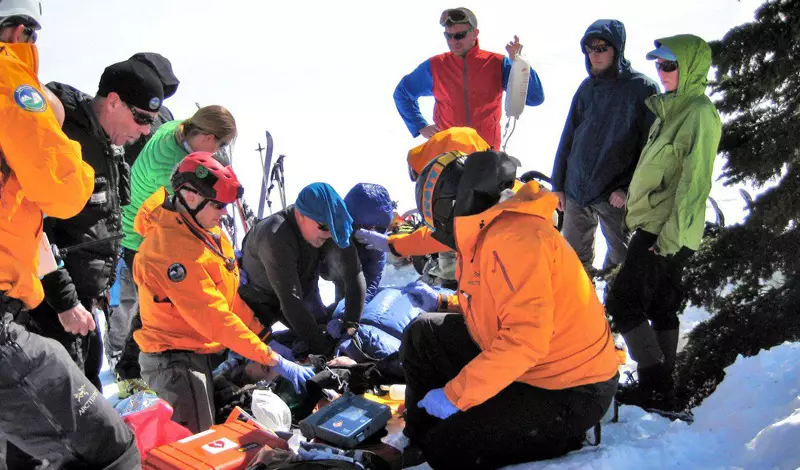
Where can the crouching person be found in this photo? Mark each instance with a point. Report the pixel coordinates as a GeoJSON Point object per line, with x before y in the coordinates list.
{"type": "Point", "coordinates": [520, 362]}
{"type": "Point", "coordinates": [188, 280]}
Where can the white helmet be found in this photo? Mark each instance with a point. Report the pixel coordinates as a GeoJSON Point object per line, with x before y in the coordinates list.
{"type": "Point", "coordinates": [28, 8]}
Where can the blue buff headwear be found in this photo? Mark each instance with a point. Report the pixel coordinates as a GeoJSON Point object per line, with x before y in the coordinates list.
{"type": "Point", "coordinates": [320, 202]}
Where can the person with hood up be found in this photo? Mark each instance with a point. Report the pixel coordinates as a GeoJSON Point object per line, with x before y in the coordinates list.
{"type": "Point", "coordinates": [666, 213]}
{"type": "Point", "coordinates": [520, 362]}
{"type": "Point", "coordinates": [603, 136]}
{"type": "Point", "coordinates": [282, 254]}
{"type": "Point", "coordinates": [50, 410]}
{"type": "Point", "coordinates": [188, 280]}
{"type": "Point", "coordinates": [466, 83]}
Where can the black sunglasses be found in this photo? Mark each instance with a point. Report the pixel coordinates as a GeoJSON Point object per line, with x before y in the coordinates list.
{"type": "Point", "coordinates": [667, 66]}
{"type": "Point", "coordinates": [143, 119]}
{"type": "Point", "coordinates": [596, 49]}
{"type": "Point", "coordinates": [457, 36]}
{"type": "Point", "coordinates": [323, 227]}
{"type": "Point", "coordinates": [219, 205]}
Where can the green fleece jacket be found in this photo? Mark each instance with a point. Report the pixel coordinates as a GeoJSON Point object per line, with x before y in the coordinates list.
{"type": "Point", "coordinates": [151, 171]}
{"type": "Point", "coordinates": [668, 192]}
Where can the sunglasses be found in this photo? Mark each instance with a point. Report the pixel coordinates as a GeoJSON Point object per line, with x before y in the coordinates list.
{"type": "Point", "coordinates": [457, 36]}
{"type": "Point", "coordinates": [143, 119]}
{"type": "Point", "coordinates": [596, 49]}
{"type": "Point", "coordinates": [219, 205]}
{"type": "Point", "coordinates": [667, 66]}
{"type": "Point", "coordinates": [323, 227]}
{"type": "Point", "coordinates": [31, 34]}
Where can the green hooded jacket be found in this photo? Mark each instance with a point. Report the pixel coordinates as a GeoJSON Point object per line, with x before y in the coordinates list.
{"type": "Point", "coordinates": [670, 186]}
{"type": "Point", "coordinates": [152, 170]}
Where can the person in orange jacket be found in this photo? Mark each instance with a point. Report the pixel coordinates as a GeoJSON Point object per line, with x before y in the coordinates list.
{"type": "Point", "coordinates": [520, 362]}
{"type": "Point", "coordinates": [188, 280]}
{"type": "Point", "coordinates": [49, 411]}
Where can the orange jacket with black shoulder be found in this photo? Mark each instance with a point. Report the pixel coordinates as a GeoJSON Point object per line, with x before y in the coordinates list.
{"type": "Point", "coordinates": [41, 172]}
{"type": "Point", "coordinates": [527, 302]}
{"type": "Point", "coordinates": [188, 288]}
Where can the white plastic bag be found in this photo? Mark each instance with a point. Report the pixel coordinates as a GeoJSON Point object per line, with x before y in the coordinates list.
{"type": "Point", "coordinates": [271, 411]}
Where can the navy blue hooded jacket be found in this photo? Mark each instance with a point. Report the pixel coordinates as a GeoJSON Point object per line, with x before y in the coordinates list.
{"type": "Point", "coordinates": [607, 125]}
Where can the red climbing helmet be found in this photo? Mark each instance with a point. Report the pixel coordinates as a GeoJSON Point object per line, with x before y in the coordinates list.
{"type": "Point", "coordinates": [209, 178]}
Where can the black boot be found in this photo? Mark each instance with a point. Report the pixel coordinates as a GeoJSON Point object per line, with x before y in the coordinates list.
{"type": "Point", "coordinates": [655, 389]}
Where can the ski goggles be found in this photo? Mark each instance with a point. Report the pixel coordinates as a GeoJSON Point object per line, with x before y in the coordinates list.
{"type": "Point", "coordinates": [458, 16]}
{"type": "Point", "coordinates": [457, 36]}
{"type": "Point", "coordinates": [143, 119]}
{"type": "Point", "coordinates": [667, 66]}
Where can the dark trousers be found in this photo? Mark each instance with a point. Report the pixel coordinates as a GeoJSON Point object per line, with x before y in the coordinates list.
{"type": "Point", "coordinates": [85, 351]}
{"type": "Point", "coordinates": [51, 411]}
{"type": "Point", "coordinates": [522, 423]}
{"type": "Point", "coordinates": [647, 287]}
{"type": "Point", "coordinates": [128, 365]}
{"type": "Point", "coordinates": [580, 225]}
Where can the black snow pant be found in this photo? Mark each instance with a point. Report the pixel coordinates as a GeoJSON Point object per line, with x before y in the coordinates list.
{"type": "Point", "coordinates": [522, 423]}
{"type": "Point", "coordinates": [49, 408]}
{"type": "Point", "coordinates": [86, 351]}
{"type": "Point", "coordinates": [128, 365]}
{"type": "Point", "coordinates": [647, 287]}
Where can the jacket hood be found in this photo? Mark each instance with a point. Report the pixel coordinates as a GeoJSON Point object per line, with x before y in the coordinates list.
{"type": "Point", "coordinates": [613, 32]}
{"type": "Point", "coordinates": [694, 62]}
{"type": "Point", "coordinates": [370, 205]}
{"type": "Point", "coordinates": [530, 199]}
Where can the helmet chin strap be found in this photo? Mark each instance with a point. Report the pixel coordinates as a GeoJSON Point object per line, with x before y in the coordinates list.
{"type": "Point", "coordinates": [192, 212]}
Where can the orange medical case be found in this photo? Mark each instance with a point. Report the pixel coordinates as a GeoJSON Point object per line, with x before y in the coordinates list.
{"type": "Point", "coordinates": [229, 446]}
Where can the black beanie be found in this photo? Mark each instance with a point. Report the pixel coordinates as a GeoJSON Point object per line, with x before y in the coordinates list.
{"type": "Point", "coordinates": [162, 67]}
{"type": "Point", "coordinates": [135, 83]}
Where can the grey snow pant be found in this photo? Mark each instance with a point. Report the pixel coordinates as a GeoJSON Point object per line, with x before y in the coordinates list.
{"type": "Point", "coordinates": [580, 225]}
{"type": "Point", "coordinates": [120, 316]}
{"type": "Point", "coordinates": [182, 378]}
{"type": "Point", "coordinates": [50, 410]}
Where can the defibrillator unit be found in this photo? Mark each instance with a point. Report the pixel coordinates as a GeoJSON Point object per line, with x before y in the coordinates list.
{"type": "Point", "coordinates": [346, 421]}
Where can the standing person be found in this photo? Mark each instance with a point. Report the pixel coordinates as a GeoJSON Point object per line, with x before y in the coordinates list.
{"type": "Point", "coordinates": [282, 255]}
{"type": "Point", "coordinates": [666, 212]}
{"type": "Point", "coordinates": [467, 83]}
{"type": "Point", "coordinates": [50, 410]}
{"type": "Point", "coordinates": [211, 129]}
{"type": "Point", "coordinates": [603, 137]}
{"type": "Point", "coordinates": [525, 364]}
{"type": "Point", "coordinates": [123, 305]}
{"type": "Point", "coordinates": [188, 280]}
{"type": "Point", "coordinates": [128, 97]}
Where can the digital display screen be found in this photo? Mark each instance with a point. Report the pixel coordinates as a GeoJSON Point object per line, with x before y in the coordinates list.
{"type": "Point", "coordinates": [352, 413]}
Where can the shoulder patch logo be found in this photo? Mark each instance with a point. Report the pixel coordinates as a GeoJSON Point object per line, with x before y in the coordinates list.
{"type": "Point", "coordinates": [30, 99]}
{"type": "Point", "coordinates": [176, 272]}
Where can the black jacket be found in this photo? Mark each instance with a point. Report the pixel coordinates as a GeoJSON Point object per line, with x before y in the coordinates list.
{"type": "Point", "coordinates": [284, 270]}
{"type": "Point", "coordinates": [88, 272]}
{"type": "Point", "coordinates": [606, 128]}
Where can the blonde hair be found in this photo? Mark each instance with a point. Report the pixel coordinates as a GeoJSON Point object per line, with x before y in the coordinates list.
{"type": "Point", "coordinates": [214, 120]}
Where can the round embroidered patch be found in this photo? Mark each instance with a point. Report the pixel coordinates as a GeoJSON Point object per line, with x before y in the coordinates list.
{"type": "Point", "coordinates": [29, 99]}
{"type": "Point", "coordinates": [176, 272]}
{"type": "Point", "coordinates": [154, 103]}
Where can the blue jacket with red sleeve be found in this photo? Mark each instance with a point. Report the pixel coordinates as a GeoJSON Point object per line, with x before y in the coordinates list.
{"type": "Point", "coordinates": [467, 90]}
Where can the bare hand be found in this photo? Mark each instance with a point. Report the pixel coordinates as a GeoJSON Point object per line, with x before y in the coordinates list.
{"type": "Point", "coordinates": [77, 320]}
{"type": "Point", "coordinates": [429, 131]}
{"type": "Point", "coordinates": [514, 48]}
{"type": "Point", "coordinates": [341, 361]}
{"type": "Point", "coordinates": [617, 199]}
{"type": "Point", "coordinates": [562, 202]}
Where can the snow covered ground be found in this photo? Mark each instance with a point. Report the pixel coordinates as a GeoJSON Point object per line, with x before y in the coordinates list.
{"type": "Point", "coordinates": [752, 420]}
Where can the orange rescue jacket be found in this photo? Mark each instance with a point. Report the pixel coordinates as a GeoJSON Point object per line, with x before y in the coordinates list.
{"type": "Point", "coordinates": [527, 302]}
{"type": "Point", "coordinates": [188, 298]}
{"type": "Point", "coordinates": [41, 172]}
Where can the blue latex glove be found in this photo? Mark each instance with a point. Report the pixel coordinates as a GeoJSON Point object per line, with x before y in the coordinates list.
{"type": "Point", "coordinates": [422, 296]}
{"type": "Point", "coordinates": [296, 374]}
{"type": "Point", "coordinates": [335, 328]}
{"type": "Point", "coordinates": [373, 240]}
{"type": "Point", "coordinates": [437, 404]}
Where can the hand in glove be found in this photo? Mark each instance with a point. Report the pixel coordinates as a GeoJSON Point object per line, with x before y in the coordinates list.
{"type": "Point", "coordinates": [437, 404]}
{"type": "Point", "coordinates": [294, 373]}
{"type": "Point", "coordinates": [422, 296]}
{"type": "Point", "coordinates": [373, 240]}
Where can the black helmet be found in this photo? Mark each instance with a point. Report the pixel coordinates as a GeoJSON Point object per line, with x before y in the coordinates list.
{"type": "Point", "coordinates": [452, 186]}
